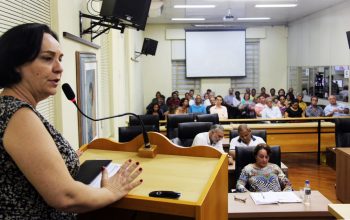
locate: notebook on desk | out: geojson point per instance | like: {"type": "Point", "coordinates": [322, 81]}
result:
{"type": "Point", "coordinates": [264, 198]}
{"type": "Point", "coordinates": [90, 169]}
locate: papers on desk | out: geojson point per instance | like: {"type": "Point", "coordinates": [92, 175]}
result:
{"type": "Point", "coordinates": [112, 169]}
{"type": "Point", "coordinates": [263, 198]}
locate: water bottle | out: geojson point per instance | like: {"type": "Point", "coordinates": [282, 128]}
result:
{"type": "Point", "coordinates": [307, 193]}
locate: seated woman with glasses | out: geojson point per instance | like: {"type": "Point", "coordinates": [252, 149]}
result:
{"type": "Point", "coordinates": [263, 176]}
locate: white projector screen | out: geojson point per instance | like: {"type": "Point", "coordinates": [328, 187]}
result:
{"type": "Point", "coordinates": [215, 53]}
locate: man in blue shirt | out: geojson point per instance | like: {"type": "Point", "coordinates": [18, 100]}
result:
{"type": "Point", "coordinates": [198, 107]}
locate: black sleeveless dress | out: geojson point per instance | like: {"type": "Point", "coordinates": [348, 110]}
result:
{"type": "Point", "coordinates": [18, 198]}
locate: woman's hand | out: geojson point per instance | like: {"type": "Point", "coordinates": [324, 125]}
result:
{"type": "Point", "coordinates": [123, 181]}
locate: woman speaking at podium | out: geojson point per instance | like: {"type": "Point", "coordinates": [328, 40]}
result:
{"type": "Point", "coordinates": [37, 164]}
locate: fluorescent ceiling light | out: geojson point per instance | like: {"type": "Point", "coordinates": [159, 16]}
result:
{"type": "Point", "coordinates": [276, 5]}
{"type": "Point", "coordinates": [194, 6]}
{"type": "Point", "coordinates": [210, 25]}
{"type": "Point", "coordinates": [253, 19]}
{"type": "Point", "coordinates": [188, 19]}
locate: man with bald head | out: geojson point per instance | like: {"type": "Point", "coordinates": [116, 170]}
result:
{"type": "Point", "coordinates": [244, 138]}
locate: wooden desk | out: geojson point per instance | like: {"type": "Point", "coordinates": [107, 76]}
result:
{"type": "Point", "coordinates": [198, 173]}
{"type": "Point", "coordinates": [289, 135]}
{"type": "Point", "coordinates": [340, 211]}
{"type": "Point", "coordinates": [317, 210]}
{"type": "Point", "coordinates": [343, 174]}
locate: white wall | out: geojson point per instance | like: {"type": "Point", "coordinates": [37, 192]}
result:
{"type": "Point", "coordinates": [273, 58]}
{"type": "Point", "coordinates": [273, 61]}
{"type": "Point", "coordinates": [126, 78]}
{"type": "Point", "coordinates": [320, 39]}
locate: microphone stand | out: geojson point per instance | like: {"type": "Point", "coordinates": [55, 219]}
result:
{"type": "Point", "coordinates": [147, 150]}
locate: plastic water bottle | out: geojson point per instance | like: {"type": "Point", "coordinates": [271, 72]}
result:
{"type": "Point", "coordinates": [307, 193]}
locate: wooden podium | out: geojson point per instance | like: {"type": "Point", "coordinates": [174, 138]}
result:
{"type": "Point", "coordinates": [198, 173]}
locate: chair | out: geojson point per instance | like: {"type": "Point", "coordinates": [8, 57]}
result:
{"type": "Point", "coordinates": [126, 134]}
{"type": "Point", "coordinates": [187, 131]}
{"type": "Point", "coordinates": [173, 121]}
{"type": "Point", "coordinates": [214, 118]}
{"type": "Point", "coordinates": [146, 119]}
{"type": "Point", "coordinates": [342, 139]}
{"type": "Point", "coordinates": [259, 133]}
{"type": "Point", "coordinates": [244, 156]}
{"type": "Point", "coordinates": [342, 132]}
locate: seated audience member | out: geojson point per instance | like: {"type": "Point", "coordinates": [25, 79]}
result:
{"type": "Point", "coordinates": [291, 94]}
{"type": "Point", "coordinates": [247, 90]}
{"type": "Point", "coordinates": [198, 107]}
{"type": "Point", "coordinates": [260, 106]}
{"type": "Point", "coordinates": [294, 111]}
{"type": "Point", "coordinates": [162, 105]}
{"type": "Point", "coordinates": [335, 109]}
{"type": "Point", "coordinates": [173, 100]}
{"type": "Point", "coordinates": [212, 138]}
{"type": "Point", "coordinates": [229, 98]}
{"type": "Point", "coordinates": [271, 111]}
{"type": "Point", "coordinates": [263, 92]}
{"type": "Point", "coordinates": [302, 104]}
{"type": "Point", "coordinates": [156, 111]}
{"type": "Point", "coordinates": [212, 103]}
{"type": "Point", "coordinates": [218, 108]}
{"type": "Point", "coordinates": [171, 111]}
{"type": "Point", "coordinates": [206, 101]}
{"type": "Point", "coordinates": [313, 110]}
{"type": "Point", "coordinates": [247, 106]}
{"type": "Point", "coordinates": [273, 94]}
{"type": "Point", "coordinates": [190, 97]}
{"type": "Point", "coordinates": [155, 100]}
{"type": "Point", "coordinates": [253, 95]}
{"type": "Point", "coordinates": [184, 107]}
{"type": "Point", "coordinates": [282, 104]}
{"type": "Point", "coordinates": [245, 138]}
{"type": "Point", "coordinates": [263, 176]}
{"type": "Point", "coordinates": [237, 99]}
{"type": "Point", "coordinates": [281, 92]}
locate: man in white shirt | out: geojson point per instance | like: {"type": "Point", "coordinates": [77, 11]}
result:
{"type": "Point", "coordinates": [219, 109]}
{"type": "Point", "coordinates": [335, 109]}
{"type": "Point", "coordinates": [244, 139]}
{"type": "Point", "coordinates": [271, 111]}
{"type": "Point", "coordinates": [213, 138]}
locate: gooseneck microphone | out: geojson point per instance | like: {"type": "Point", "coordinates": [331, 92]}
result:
{"type": "Point", "coordinates": [71, 97]}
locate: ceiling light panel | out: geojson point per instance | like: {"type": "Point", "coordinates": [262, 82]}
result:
{"type": "Point", "coordinates": [194, 6]}
{"type": "Point", "coordinates": [276, 5]}
{"type": "Point", "coordinates": [188, 19]}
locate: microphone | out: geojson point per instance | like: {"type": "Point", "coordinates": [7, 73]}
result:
{"type": "Point", "coordinates": [71, 97]}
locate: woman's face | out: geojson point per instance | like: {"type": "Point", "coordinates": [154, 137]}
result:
{"type": "Point", "coordinates": [185, 104]}
{"type": "Point", "coordinates": [155, 108]}
{"type": "Point", "coordinates": [262, 158]}
{"type": "Point", "coordinates": [42, 76]}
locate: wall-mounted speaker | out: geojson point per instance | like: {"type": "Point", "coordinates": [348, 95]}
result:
{"type": "Point", "coordinates": [149, 46]}
{"type": "Point", "coordinates": [348, 35]}
{"type": "Point", "coordinates": [131, 12]}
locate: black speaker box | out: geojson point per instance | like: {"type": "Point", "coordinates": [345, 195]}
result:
{"type": "Point", "coordinates": [131, 12]}
{"type": "Point", "coordinates": [149, 46]}
{"type": "Point", "coordinates": [348, 35]}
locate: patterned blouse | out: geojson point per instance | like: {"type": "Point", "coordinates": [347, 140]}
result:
{"type": "Point", "coordinates": [18, 197]}
{"type": "Point", "coordinates": [269, 178]}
